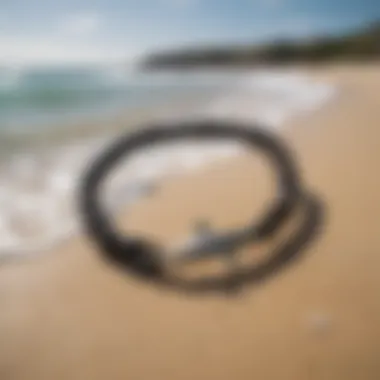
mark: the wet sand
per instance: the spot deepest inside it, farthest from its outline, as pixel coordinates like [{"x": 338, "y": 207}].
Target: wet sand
[{"x": 69, "y": 315}]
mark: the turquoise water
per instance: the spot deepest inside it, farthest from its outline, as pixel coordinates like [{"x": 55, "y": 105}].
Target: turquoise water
[{"x": 35, "y": 98}]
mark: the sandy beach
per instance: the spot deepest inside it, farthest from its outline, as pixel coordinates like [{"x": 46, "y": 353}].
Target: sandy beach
[{"x": 70, "y": 315}]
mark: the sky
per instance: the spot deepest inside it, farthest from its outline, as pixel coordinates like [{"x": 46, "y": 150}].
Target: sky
[{"x": 74, "y": 31}]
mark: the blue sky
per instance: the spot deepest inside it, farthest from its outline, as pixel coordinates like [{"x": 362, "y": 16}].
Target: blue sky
[{"x": 50, "y": 31}]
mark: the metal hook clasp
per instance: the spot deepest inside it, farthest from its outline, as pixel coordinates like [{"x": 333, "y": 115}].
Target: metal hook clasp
[{"x": 204, "y": 243}]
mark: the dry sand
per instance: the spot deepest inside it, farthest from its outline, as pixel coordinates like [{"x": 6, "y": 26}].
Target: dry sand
[{"x": 71, "y": 316}]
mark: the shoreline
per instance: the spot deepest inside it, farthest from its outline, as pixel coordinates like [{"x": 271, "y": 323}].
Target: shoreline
[{"x": 225, "y": 105}]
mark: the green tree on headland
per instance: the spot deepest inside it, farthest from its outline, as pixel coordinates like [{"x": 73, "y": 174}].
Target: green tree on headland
[{"x": 358, "y": 45}]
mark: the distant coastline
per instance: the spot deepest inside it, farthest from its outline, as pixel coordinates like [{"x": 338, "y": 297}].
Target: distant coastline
[{"x": 358, "y": 45}]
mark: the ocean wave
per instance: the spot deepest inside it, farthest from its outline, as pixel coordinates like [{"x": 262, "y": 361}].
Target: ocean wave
[{"x": 10, "y": 79}]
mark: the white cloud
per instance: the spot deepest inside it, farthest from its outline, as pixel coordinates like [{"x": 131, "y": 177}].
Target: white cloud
[
  {"x": 67, "y": 43},
  {"x": 81, "y": 24}
]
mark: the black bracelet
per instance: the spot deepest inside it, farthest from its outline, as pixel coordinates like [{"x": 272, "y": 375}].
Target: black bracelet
[{"x": 141, "y": 256}]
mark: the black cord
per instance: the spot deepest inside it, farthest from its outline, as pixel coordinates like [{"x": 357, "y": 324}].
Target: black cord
[{"x": 141, "y": 256}]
